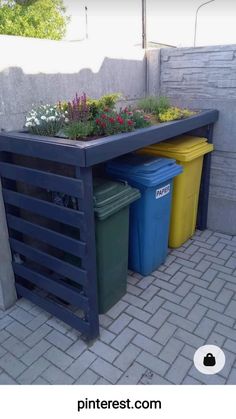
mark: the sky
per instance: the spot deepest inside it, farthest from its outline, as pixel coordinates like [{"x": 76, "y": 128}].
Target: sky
[{"x": 168, "y": 21}]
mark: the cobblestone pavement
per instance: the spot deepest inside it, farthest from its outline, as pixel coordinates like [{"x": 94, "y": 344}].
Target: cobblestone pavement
[{"x": 149, "y": 337}]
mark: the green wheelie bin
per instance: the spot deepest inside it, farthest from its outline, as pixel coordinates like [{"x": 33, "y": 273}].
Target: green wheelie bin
[{"x": 111, "y": 208}]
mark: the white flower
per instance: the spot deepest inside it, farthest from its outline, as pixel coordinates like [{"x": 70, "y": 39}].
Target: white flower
[
  {"x": 43, "y": 117},
  {"x": 28, "y": 124},
  {"x": 52, "y": 118}
]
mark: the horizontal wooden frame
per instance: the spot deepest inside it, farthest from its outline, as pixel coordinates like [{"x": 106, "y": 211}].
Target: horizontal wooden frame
[
  {"x": 45, "y": 235},
  {"x": 54, "y": 286},
  {"x": 41, "y": 179},
  {"x": 63, "y": 268},
  {"x": 46, "y": 209},
  {"x": 86, "y": 154}
]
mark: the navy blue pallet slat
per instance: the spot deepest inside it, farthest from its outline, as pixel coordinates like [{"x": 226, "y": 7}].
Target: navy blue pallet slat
[
  {"x": 55, "y": 309},
  {"x": 51, "y": 262},
  {"x": 58, "y": 240},
  {"x": 46, "y": 209},
  {"x": 45, "y": 180},
  {"x": 54, "y": 286}
]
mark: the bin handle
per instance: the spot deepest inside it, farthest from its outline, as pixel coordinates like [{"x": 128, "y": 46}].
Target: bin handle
[{"x": 119, "y": 180}]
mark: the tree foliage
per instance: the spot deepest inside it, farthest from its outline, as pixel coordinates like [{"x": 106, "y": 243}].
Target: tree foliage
[{"x": 33, "y": 18}]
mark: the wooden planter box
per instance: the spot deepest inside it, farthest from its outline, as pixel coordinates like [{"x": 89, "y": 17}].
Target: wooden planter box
[{"x": 65, "y": 166}]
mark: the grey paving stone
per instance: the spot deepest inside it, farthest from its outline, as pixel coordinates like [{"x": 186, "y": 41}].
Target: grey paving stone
[
  {"x": 150, "y": 378},
  {"x": 191, "y": 249},
  {"x": 123, "y": 339},
  {"x": 120, "y": 323},
  {"x": 221, "y": 268},
  {"x": 117, "y": 309},
  {"x": 197, "y": 257},
  {"x": 181, "y": 322},
  {"x": 132, "y": 289},
  {"x": 133, "y": 374},
  {"x": 190, "y": 300},
  {"x": 232, "y": 377},
  {"x": 56, "y": 376},
  {"x": 226, "y": 331},
  {"x": 164, "y": 285},
  {"x": 221, "y": 318},
  {"x": 183, "y": 289},
  {"x": 216, "y": 285},
  {"x": 149, "y": 292},
  {"x": 11, "y": 365},
  {"x": 106, "y": 336},
  {"x": 135, "y": 301},
  {"x": 205, "y": 328},
  {"x": 191, "y": 381},
  {"x": 161, "y": 275},
  {"x": 77, "y": 368},
  {"x": 216, "y": 339},
  {"x": 225, "y": 254},
  {"x": 77, "y": 348},
  {"x": 176, "y": 309},
  {"x": 206, "y": 379},
  {"x": 184, "y": 262},
  {"x": 154, "y": 304},
  {"x": 40, "y": 382},
  {"x": 209, "y": 275},
  {"x": 87, "y": 378},
  {"x": 224, "y": 296},
  {"x": 212, "y": 304},
  {"x": 231, "y": 263},
  {"x": 191, "y": 272},
  {"x": 171, "y": 350},
  {"x": 38, "y": 335},
  {"x": 142, "y": 328},
  {"x": 165, "y": 333},
  {"x": 145, "y": 282},
  {"x": 21, "y": 315},
  {"x": 137, "y": 313},
  {"x": 178, "y": 278},
  {"x": 159, "y": 318},
  {"x": 197, "y": 281},
  {"x": 153, "y": 363},
  {"x": 172, "y": 269},
  {"x": 179, "y": 370},
  {"x": 147, "y": 344},
  {"x": 2, "y": 351},
  {"x": 33, "y": 372},
  {"x": 229, "y": 364},
  {"x": 5, "y": 379},
  {"x": 189, "y": 338},
  {"x": 106, "y": 370},
  {"x": 102, "y": 382},
  {"x": 15, "y": 346},
  {"x": 203, "y": 265},
  {"x": 38, "y": 321},
  {"x": 230, "y": 345},
  {"x": 231, "y": 309},
  {"x": 36, "y": 352},
  {"x": 105, "y": 320},
  {"x": 58, "y": 358},
  {"x": 216, "y": 260},
  {"x": 59, "y": 325},
  {"x": 18, "y": 330},
  {"x": 188, "y": 352},
  {"x": 203, "y": 292},
  {"x": 127, "y": 357},
  {"x": 58, "y": 339},
  {"x": 4, "y": 335},
  {"x": 104, "y": 351},
  {"x": 170, "y": 296}
]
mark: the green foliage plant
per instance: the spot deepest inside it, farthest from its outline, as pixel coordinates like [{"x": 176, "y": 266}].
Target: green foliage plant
[
  {"x": 79, "y": 129},
  {"x": 153, "y": 104},
  {"x": 33, "y": 18}
]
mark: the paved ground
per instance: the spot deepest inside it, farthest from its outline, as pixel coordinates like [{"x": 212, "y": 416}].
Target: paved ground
[{"x": 149, "y": 337}]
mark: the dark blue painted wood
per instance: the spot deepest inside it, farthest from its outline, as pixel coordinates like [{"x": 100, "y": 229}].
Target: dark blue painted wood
[
  {"x": 51, "y": 262},
  {"x": 54, "y": 286},
  {"x": 55, "y": 309},
  {"x": 45, "y": 180},
  {"x": 205, "y": 184},
  {"x": 89, "y": 261},
  {"x": 57, "y": 240},
  {"x": 47, "y": 209}
]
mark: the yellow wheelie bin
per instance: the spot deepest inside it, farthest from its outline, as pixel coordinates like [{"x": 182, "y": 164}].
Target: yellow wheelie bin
[{"x": 188, "y": 151}]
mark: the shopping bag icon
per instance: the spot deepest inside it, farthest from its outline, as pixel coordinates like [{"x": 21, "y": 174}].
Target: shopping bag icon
[{"x": 209, "y": 360}]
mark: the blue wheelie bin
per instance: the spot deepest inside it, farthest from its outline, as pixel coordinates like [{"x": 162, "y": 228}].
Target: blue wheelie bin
[{"x": 150, "y": 215}]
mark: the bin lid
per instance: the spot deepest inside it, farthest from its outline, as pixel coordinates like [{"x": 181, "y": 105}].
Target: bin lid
[
  {"x": 110, "y": 197},
  {"x": 145, "y": 170},
  {"x": 182, "y": 148}
]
